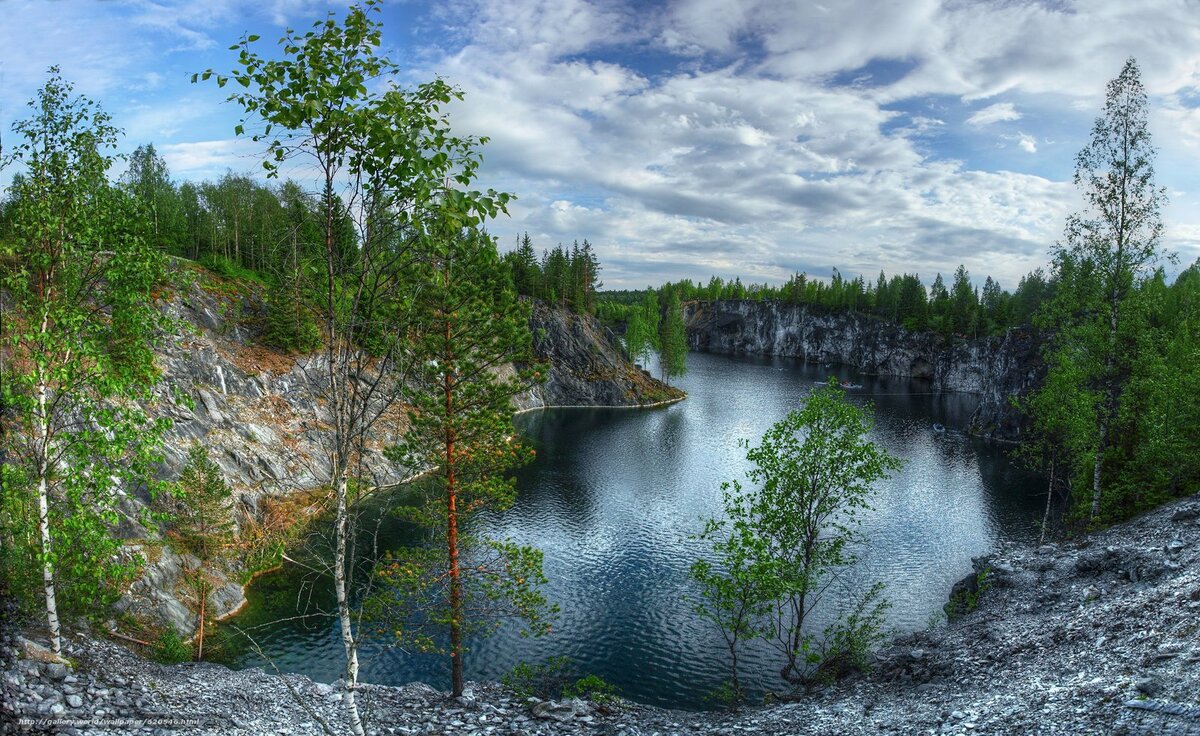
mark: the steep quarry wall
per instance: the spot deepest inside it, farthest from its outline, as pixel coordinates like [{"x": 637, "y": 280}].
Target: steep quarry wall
[
  {"x": 587, "y": 365},
  {"x": 995, "y": 368},
  {"x": 261, "y": 414}
]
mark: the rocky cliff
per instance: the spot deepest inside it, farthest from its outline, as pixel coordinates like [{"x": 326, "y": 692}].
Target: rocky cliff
[
  {"x": 586, "y": 365},
  {"x": 995, "y": 368},
  {"x": 260, "y": 413}
]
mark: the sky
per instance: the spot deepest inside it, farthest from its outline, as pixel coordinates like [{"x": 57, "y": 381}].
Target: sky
[{"x": 750, "y": 138}]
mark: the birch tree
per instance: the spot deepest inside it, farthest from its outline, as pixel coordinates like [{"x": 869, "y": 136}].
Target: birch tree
[
  {"x": 78, "y": 328},
  {"x": 673, "y": 345},
  {"x": 385, "y": 156},
  {"x": 785, "y": 539},
  {"x": 1108, "y": 249}
]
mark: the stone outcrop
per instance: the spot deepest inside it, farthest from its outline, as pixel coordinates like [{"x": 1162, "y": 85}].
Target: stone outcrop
[
  {"x": 995, "y": 368},
  {"x": 586, "y": 365},
  {"x": 261, "y": 414},
  {"x": 1089, "y": 637}
]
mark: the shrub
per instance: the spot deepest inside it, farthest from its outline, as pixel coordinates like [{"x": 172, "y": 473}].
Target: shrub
[
  {"x": 554, "y": 679},
  {"x": 230, "y": 269},
  {"x": 849, "y": 643},
  {"x": 170, "y": 648},
  {"x": 593, "y": 688},
  {"x": 539, "y": 680}
]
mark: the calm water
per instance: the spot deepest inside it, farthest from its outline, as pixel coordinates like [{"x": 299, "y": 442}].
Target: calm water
[{"x": 613, "y": 497}]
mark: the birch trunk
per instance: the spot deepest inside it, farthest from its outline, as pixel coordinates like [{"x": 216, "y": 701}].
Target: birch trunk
[
  {"x": 343, "y": 604},
  {"x": 456, "y": 593},
  {"x": 1097, "y": 466},
  {"x": 43, "y": 472},
  {"x": 1049, "y": 495}
]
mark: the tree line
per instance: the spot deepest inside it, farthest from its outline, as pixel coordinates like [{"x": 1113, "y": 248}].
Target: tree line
[
  {"x": 958, "y": 309},
  {"x": 568, "y": 277},
  {"x": 237, "y": 227}
]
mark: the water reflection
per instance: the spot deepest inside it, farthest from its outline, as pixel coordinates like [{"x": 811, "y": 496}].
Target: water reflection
[{"x": 615, "y": 495}]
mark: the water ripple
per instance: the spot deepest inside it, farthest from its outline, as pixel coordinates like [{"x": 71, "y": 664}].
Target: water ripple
[{"x": 614, "y": 497}]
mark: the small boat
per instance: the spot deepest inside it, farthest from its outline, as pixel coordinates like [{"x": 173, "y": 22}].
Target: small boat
[{"x": 939, "y": 428}]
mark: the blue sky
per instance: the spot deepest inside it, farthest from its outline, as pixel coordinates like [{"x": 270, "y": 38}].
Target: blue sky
[{"x": 684, "y": 139}]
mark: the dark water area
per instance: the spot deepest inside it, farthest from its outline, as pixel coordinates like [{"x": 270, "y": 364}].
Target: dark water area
[{"x": 614, "y": 497}]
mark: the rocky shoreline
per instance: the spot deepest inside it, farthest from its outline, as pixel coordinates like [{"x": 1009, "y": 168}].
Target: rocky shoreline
[{"x": 1097, "y": 636}]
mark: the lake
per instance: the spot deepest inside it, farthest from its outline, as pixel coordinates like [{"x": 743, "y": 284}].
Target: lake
[{"x": 614, "y": 497}]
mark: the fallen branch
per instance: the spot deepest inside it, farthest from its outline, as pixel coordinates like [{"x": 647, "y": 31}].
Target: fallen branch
[{"x": 129, "y": 638}]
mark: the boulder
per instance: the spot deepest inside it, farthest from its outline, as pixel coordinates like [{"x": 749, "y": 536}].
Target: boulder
[
  {"x": 38, "y": 653},
  {"x": 561, "y": 710}
]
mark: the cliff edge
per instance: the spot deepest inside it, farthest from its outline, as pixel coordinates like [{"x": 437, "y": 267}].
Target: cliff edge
[{"x": 994, "y": 368}]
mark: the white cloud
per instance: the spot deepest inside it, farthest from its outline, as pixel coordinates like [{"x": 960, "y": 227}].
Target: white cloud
[
  {"x": 208, "y": 159},
  {"x": 1184, "y": 118},
  {"x": 999, "y": 112},
  {"x": 760, "y": 167},
  {"x": 921, "y": 123},
  {"x": 750, "y": 137}
]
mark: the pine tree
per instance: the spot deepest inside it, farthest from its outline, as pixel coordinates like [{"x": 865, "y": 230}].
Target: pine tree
[
  {"x": 589, "y": 268},
  {"x": 526, "y": 272},
  {"x": 963, "y": 303},
  {"x": 201, "y": 523},
  {"x": 470, "y": 325}
]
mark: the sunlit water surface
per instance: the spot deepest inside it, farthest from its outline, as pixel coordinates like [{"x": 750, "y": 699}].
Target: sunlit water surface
[{"x": 614, "y": 498}]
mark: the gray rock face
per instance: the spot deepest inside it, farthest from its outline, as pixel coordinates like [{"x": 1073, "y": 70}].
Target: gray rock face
[
  {"x": 995, "y": 368},
  {"x": 586, "y": 365},
  {"x": 261, "y": 414}
]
